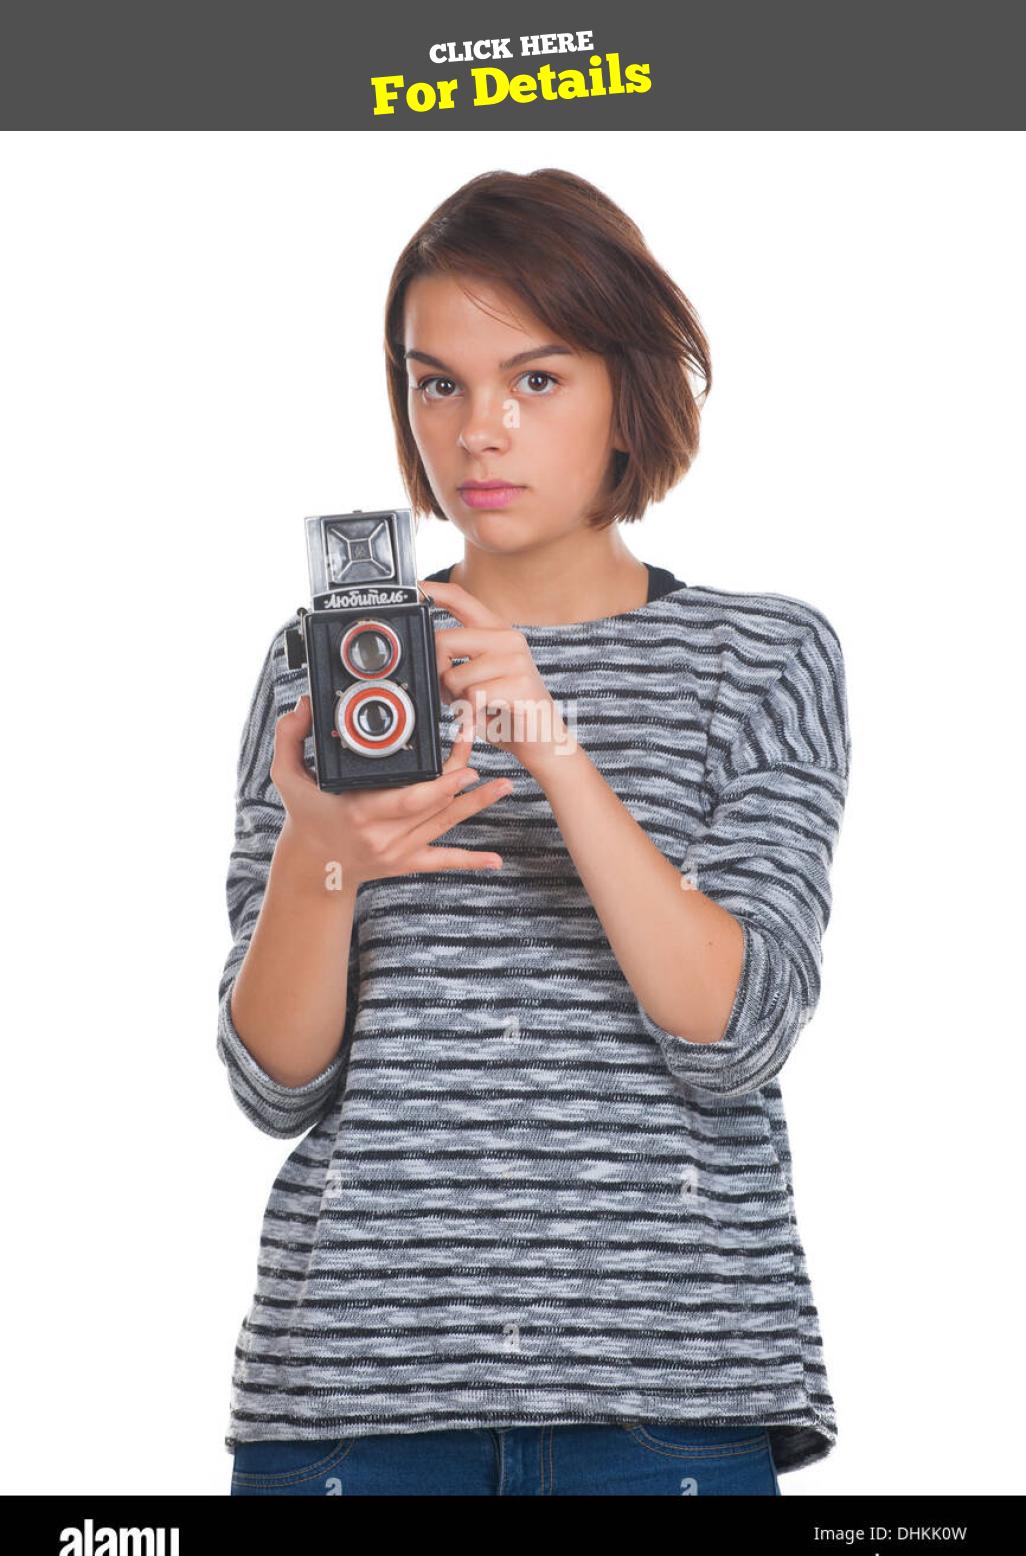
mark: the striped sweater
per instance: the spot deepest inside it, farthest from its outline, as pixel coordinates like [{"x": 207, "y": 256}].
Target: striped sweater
[{"x": 519, "y": 1200}]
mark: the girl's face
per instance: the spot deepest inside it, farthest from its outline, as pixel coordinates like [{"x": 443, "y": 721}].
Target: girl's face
[{"x": 501, "y": 400}]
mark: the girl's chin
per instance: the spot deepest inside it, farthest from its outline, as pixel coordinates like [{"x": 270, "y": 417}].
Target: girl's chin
[{"x": 493, "y": 522}]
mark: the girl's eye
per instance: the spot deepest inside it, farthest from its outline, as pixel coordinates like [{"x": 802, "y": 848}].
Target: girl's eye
[
  {"x": 422, "y": 388},
  {"x": 447, "y": 386},
  {"x": 537, "y": 372}
]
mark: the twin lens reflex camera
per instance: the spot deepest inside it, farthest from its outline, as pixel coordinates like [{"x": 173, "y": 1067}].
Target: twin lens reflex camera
[{"x": 369, "y": 650}]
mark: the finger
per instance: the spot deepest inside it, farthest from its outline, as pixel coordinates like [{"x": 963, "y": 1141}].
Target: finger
[
  {"x": 462, "y": 746},
  {"x": 290, "y": 731},
  {"x": 481, "y": 700},
  {"x": 452, "y": 859},
  {"x": 463, "y": 642},
  {"x": 483, "y": 668},
  {"x": 463, "y": 743},
  {"x": 415, "y": 801},
  {"x": 469, "y": 714},
  {"x": 459, "y": 602},
  {"x": 462, "y": 806}
]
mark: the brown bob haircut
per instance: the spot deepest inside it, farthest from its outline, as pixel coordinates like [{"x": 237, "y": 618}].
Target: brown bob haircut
[{"x": 582, "y": 267}]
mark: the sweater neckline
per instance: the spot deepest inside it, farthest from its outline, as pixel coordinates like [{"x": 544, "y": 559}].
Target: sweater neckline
[{"x": 661, "y": 582}]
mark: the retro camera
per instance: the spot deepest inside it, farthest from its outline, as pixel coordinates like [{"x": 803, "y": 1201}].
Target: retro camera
[{"x": 369, "y": 650}]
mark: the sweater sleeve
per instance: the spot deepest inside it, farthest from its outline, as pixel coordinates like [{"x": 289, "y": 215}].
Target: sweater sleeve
[
  {"x": 764, "y": 855},
  {"x": 276, "y": 1109}
]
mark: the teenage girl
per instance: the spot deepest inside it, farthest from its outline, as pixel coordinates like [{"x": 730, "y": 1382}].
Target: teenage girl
[{"x": 539, "y": 1238}]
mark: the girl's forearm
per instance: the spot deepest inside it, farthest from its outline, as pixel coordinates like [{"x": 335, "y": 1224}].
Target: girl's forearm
[
  {"x": 289, "y": 1000},
  {"x": 680, "y": 952}
]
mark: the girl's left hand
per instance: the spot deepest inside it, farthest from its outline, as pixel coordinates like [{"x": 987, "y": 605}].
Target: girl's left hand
[{"x": 500, "y": 674}]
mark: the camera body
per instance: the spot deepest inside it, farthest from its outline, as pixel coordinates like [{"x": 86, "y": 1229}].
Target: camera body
[{"x": 369, "y": 650}]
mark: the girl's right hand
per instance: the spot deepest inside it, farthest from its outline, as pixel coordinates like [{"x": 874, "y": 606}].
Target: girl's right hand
[{"x": 373, "y": 833}]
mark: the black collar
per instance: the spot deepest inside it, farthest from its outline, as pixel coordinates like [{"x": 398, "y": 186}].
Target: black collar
[{"x": 660, "y": 580}]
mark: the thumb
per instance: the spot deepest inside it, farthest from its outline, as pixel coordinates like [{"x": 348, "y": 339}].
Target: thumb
[{"x": 290, "y": 732}]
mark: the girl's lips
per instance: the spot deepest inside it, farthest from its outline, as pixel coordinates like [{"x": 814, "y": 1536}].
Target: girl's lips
[{"x": 489, "y": 496}]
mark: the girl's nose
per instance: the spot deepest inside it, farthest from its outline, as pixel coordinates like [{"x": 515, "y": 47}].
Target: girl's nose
[{"x": 484, "y": 428}]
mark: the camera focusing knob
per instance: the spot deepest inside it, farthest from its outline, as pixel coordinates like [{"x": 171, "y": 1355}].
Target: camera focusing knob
[{"x": 295, "y": 647}]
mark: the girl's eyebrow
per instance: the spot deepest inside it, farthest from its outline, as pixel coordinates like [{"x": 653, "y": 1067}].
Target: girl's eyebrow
[{"x": 550, "y": 350}]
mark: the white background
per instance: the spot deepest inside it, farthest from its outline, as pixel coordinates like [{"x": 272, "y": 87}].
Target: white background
[{"x": 191, "y": 362}]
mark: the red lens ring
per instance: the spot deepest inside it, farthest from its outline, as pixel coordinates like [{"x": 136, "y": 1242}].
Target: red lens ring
[
  {"x": 397, "y": 734},
  {"x": 357, "y": 630}
]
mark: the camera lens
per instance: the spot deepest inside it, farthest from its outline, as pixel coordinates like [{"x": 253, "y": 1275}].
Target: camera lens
[
  {"x": 370, "y": 649},
  {"x": 375, "y": 718},
  {"x": 371, "y": 652}
]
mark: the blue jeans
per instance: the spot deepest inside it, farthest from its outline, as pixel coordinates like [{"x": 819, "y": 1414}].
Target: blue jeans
[{"x": 630, "y": 1459}]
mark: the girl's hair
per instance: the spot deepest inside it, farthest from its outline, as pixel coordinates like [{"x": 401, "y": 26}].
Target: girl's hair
[{"x": 580, "y": 265}]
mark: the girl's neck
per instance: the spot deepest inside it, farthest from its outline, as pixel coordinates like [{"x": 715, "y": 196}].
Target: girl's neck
[{"x": 569, "y": 581}]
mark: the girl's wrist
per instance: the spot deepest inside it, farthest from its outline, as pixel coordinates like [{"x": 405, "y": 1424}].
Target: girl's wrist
[
  {"x": 558, "y": 767},
  {"x": 307, "y": 869}
]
